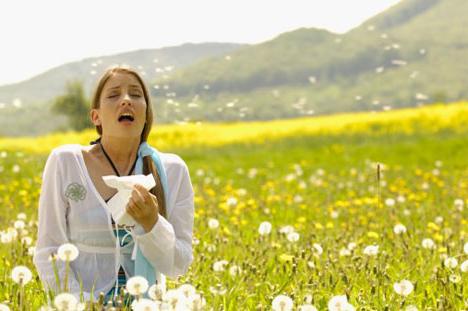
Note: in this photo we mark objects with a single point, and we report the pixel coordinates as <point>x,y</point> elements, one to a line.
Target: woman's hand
<point>143,207</point>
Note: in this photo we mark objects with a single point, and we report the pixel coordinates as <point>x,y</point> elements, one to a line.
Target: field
<point>339,225</point>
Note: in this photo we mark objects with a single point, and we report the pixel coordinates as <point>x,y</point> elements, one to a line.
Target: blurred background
<point>212,61</point>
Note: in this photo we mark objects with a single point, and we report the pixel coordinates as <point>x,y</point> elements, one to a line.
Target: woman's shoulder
<point>172,160</point>
<point>66,151</point>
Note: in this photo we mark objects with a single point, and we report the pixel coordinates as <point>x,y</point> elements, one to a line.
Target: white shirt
<point>71,210</point>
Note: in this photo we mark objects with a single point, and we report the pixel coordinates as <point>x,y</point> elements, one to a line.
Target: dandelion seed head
<point>65,302</point>
<point>213,223</point>
<point>136,285</point>
<point>282,303</point>
<point>67,252</point>
<point>403,288</point>
<point>264,228</point>
<point>21,275</point>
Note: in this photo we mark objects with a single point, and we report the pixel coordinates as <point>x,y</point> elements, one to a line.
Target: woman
<point>72,205</point>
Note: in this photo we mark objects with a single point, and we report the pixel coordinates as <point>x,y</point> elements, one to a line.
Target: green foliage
<point>74,105</point>
<point>325,186</point>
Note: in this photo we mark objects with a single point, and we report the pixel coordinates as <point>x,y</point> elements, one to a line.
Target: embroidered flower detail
<point>75,192</point>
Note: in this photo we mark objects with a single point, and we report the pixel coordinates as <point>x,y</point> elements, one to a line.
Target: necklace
<point>112,163</point>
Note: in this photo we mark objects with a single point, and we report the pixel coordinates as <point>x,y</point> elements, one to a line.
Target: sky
<point>39,35</point>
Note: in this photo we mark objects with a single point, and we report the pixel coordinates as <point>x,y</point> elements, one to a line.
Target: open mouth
<point>126,117</point>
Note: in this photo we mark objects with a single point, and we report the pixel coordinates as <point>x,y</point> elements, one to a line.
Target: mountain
<point>153,63</point>
<point>408,55</point>
<point>25,105</point>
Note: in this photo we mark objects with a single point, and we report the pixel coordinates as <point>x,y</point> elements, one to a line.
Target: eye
<point>136,95</point>
<point>112,96</point>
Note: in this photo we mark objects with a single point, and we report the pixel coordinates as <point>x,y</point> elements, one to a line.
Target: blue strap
<point>142,266</point>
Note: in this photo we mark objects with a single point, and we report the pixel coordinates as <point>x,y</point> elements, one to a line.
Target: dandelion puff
<point>21,216</point>
<point>371,250</point>
<point>399,229</point>
<point>287,229</point>
<point>390,202</point>
<point>282,303</point>
<point>403,288</point>
<point>264,228</point>
<point>197,302</point>
<point>137,285</point>
<point>16,168</point>
<point>459,204</point>
<point>6,237</point>
<point>67,252</point>
<point>411,308</point>
<point>428,244</point>
<point>21,275</point>
<point>339,303</point>
<point>65,302</point>
<point>145,304</point>
<point>220,265</point>
<point>19,224</point>
<point>218,289</point>
<point>465,248</point>
<point>156,291</point>
<point>450,262</point>
<point>213,223</point>
<point>293,236</point>
<point>464,266</point>
<point>187,290</point>
<point>345,252</point>
<point>318,248</point>
<point>4,307</point>
<point>231,201</point>
<point>171,295</point>
<point>307,307</point>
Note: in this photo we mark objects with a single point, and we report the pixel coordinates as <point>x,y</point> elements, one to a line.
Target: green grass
<point>348,186</point>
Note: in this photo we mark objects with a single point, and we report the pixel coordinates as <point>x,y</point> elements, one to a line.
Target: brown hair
<point>148,164</point>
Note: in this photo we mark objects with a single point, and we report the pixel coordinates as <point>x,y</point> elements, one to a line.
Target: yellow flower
<point>373,235</point>
<point>433,226</point>
<point>301,219</point>
<point>286,258</point>
<point>226,231</point>
<point>442,249</point>
<point>438,237</point>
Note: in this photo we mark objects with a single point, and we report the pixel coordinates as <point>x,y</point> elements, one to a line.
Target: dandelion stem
<point>67,267</point>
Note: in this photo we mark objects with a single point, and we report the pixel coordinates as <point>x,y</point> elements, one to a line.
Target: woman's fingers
<point>144,193</point>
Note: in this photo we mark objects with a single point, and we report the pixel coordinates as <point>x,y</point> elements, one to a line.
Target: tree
<point>74,105</point>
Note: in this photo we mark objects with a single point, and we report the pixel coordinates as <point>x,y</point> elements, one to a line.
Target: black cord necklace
<point>112,163</point>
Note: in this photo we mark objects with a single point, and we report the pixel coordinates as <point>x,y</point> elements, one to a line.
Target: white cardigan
<point>71,210</point>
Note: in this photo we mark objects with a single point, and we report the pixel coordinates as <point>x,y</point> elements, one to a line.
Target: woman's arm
<point>168,246</point>
<point>52,228</point>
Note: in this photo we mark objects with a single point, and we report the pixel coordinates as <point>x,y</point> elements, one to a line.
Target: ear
<point>94,115</point>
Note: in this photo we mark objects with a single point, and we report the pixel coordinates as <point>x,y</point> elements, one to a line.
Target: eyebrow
<point>131,85</point>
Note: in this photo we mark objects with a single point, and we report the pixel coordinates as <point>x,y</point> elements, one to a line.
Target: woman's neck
<point>122,151</point>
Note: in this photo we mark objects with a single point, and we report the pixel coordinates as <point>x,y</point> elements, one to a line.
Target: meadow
<point>364,211</point>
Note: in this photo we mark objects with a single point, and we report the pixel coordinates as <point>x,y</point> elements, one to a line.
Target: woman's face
<point>122,111</point>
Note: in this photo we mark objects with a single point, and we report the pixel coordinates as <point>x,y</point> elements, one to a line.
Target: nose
<point>126,100</point>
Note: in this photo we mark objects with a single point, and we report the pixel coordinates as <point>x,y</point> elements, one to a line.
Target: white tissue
<point>117,204</point>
